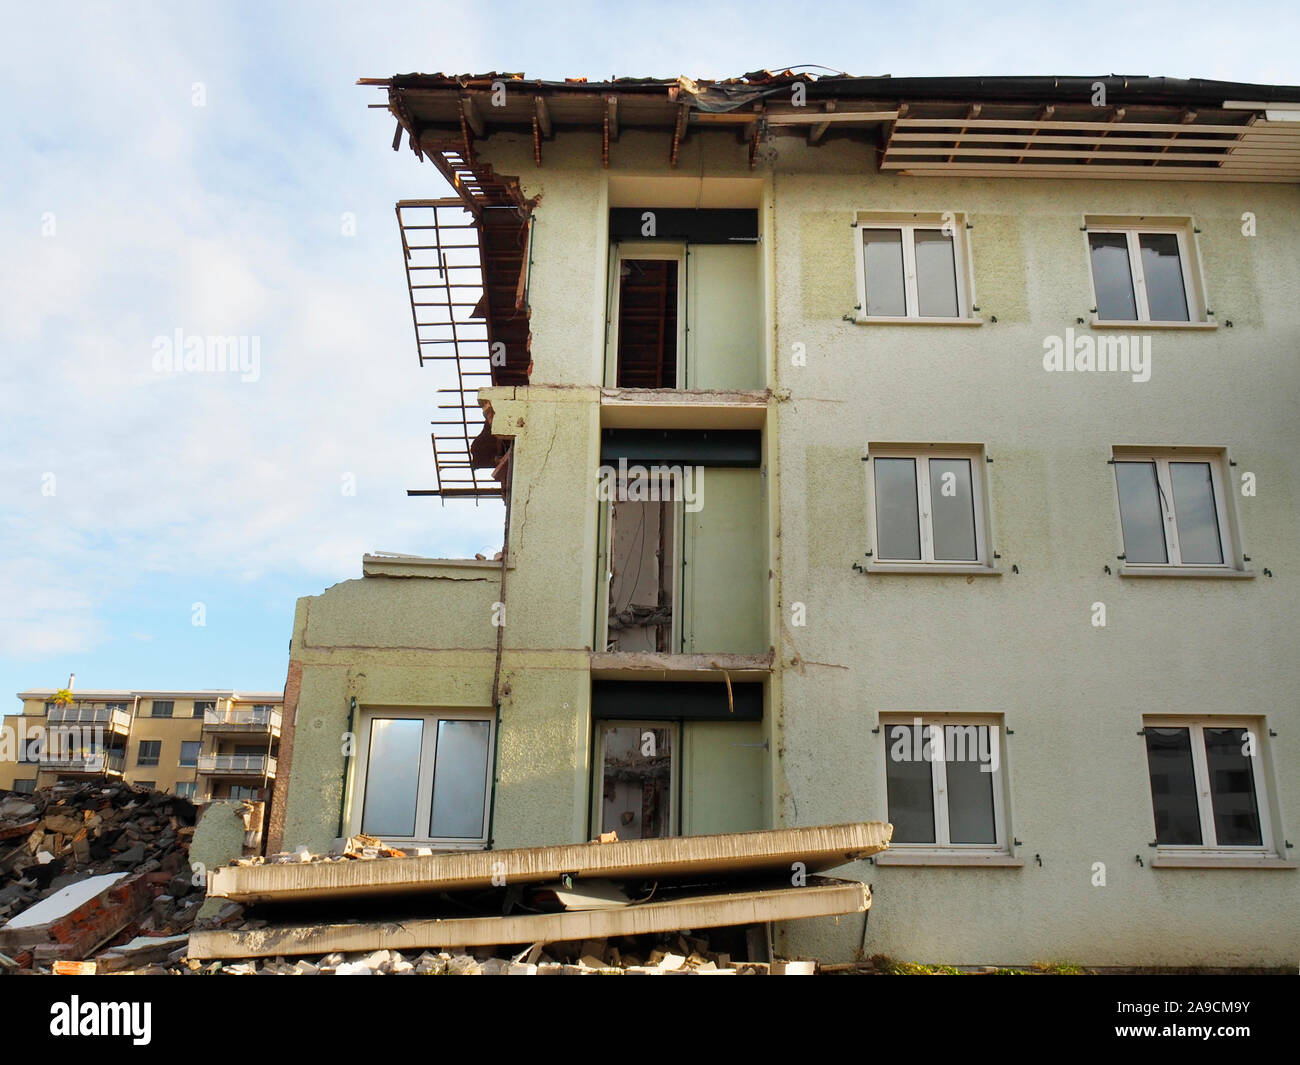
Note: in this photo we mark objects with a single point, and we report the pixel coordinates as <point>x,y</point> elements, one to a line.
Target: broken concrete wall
<point>427,641</point>
<point>219,838</point>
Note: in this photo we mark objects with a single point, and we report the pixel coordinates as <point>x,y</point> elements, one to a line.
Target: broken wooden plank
<point>819,898</point>
<point>677,857</point>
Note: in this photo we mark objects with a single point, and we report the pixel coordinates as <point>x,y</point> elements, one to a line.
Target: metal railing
<point>237,764</point>
<point>251,717</point>
<point>445,275</point>
<point>111,762</point>
<point>97,715</point>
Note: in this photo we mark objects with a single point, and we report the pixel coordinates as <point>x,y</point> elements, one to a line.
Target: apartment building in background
<point>203,745</point>
<point>920,450</point>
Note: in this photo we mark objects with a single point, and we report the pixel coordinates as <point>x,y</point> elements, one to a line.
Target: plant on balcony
<point>62,697</point>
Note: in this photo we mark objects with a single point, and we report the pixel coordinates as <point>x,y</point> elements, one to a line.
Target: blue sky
<point>128,212</point>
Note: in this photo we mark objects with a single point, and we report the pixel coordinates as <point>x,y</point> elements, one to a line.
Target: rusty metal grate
<point>444,274</point>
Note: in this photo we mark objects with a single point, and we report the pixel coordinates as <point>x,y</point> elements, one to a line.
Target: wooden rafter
<point>1044,114</point>
<point>679,133</point>
<point>972,112</point>
<point>1116,115</point>
<point>466,135</point>
<point>1187,117</point>
<point>470,112</point>
<point>817,132</point>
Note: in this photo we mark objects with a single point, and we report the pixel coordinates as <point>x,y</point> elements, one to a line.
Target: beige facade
<point>204,745</point>
<point>1135,795</point>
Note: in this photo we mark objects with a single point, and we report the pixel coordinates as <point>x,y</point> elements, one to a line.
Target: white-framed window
<point>424,776</point>
<point>912,267</point>
<point>1144,270</point>
<point>944,782</point>
<point>187,789</point>
<point>927,505</point>
<point>1173,509</point>
<point>1208,790</point>
<point>635,786</point>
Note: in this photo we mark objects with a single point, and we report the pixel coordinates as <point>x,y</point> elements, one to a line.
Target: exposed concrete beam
<point>820,897</point>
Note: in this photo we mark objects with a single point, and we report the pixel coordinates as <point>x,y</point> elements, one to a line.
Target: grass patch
<point>890,967</point>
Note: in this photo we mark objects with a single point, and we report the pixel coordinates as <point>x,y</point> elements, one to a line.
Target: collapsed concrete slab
<point>735,854</point>
<point>819,897</point>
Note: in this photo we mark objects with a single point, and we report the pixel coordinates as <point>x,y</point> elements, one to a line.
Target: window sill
<point>882,320</point>
<point>992,861</point>
<point>933,569</point>
<point>1217,572</point>
<point>1134,324</point>
<point>1207,861</point>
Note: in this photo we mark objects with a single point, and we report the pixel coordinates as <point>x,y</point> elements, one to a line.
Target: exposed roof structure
<point>1112,126</point>
<point>1107,127</point>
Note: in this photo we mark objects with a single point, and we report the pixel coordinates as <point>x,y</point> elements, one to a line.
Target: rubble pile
<point>681,954</point>
<point>136,841</point>
<point>353,848</point>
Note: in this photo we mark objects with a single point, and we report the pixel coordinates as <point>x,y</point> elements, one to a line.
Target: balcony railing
<point>116,720</point>
<point>256,719</point>
<point>110,762</point>
<point>237,765</point>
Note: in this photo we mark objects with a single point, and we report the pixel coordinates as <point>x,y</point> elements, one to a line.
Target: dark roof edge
<point>1119,88</point>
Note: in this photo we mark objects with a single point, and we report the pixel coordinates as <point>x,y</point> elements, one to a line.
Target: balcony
<point>102,763</point>
<point>249,721</point>
<point>255,766</point>
<point>112,719</point>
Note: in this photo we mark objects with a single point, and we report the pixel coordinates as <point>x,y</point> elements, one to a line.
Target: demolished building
<point>835,301</point>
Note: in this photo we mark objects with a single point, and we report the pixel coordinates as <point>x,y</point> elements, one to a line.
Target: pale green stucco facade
<point>1021,643</point>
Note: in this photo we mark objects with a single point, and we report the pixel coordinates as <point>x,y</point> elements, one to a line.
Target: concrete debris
<point>141,951</point>
<point>84,866</point>
<point>575,897</point>
<point>583,958</point>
